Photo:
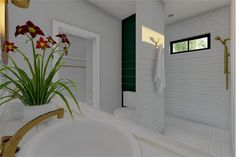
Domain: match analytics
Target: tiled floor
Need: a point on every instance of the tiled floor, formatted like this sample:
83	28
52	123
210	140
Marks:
209	139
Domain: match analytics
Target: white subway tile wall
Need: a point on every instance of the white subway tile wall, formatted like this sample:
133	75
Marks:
150	106
195	80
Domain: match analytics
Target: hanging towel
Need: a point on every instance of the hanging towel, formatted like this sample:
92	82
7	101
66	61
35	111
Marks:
159	70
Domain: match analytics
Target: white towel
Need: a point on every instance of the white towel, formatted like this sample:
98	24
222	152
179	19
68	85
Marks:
159	71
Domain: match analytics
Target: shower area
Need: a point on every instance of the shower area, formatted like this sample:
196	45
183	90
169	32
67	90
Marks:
194	106
197	98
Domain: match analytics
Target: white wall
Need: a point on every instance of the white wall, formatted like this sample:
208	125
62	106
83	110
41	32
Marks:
196	81
150	106
83	15
77	47
233	37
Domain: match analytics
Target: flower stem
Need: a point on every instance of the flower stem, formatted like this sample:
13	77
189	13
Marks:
27	60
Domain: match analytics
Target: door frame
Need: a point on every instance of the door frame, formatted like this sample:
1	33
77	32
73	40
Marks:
57	26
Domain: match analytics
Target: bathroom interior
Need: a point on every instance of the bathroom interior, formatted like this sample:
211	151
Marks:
163	69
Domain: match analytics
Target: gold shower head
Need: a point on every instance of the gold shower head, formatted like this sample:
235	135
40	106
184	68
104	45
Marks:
224	41
217	38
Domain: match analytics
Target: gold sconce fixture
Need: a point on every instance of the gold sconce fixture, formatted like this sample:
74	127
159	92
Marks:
21	3
226	59
4	20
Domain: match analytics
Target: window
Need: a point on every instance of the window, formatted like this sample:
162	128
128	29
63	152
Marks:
196	43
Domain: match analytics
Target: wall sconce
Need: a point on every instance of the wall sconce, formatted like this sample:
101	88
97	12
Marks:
4	21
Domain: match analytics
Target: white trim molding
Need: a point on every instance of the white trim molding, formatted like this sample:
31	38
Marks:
58	27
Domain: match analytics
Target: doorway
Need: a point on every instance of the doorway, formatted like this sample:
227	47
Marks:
82	65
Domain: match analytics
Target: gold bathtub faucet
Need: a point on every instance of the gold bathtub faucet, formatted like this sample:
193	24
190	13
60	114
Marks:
9	144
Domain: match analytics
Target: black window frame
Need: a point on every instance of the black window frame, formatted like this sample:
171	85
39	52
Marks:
208	35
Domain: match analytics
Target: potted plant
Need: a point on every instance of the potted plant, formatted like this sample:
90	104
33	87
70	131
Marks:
36	89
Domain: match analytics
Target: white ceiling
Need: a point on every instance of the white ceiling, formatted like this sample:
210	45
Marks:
181	9
118	8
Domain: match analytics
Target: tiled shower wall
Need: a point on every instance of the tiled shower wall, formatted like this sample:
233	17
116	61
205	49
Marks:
196	81
150	106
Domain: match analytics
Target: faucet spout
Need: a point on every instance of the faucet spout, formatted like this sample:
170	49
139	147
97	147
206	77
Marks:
9	144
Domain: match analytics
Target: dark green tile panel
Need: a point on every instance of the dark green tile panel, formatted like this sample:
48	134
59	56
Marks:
127	72
128	87
128	79
129	54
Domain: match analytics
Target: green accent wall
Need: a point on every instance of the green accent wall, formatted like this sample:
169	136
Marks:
129	54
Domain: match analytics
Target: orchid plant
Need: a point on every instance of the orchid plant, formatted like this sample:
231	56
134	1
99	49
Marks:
36	87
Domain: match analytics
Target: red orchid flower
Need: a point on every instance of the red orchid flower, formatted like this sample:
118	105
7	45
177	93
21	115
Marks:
42	44
50	40
64	38
9	47
21	30
33	30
